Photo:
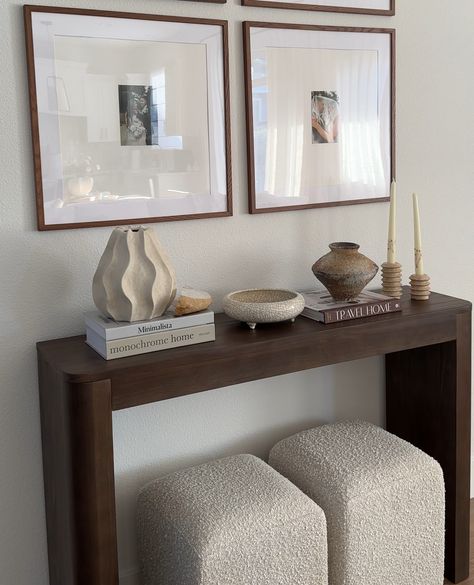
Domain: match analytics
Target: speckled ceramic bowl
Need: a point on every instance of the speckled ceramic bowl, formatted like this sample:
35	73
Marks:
261	305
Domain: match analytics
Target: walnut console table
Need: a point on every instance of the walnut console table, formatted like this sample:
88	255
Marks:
427	352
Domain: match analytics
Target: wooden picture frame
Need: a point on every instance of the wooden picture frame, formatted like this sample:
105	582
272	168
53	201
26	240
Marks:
114	139
280	149
316	5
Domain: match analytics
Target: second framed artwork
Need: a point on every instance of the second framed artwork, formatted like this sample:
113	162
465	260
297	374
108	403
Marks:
320	115
381	7
130	117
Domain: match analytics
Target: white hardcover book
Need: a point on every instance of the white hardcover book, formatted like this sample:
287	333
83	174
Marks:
110	330
119	348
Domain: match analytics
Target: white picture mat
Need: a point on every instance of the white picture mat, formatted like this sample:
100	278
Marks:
144	181
291	170
365	4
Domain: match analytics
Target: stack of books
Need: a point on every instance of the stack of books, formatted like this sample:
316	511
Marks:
114	340
320	306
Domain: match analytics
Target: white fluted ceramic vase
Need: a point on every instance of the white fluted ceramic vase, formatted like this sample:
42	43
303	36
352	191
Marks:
134	280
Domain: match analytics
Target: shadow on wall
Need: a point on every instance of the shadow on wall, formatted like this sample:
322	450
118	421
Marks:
353	398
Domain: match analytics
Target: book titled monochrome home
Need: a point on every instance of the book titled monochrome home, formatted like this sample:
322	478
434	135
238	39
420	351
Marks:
320	306
109	329
118	348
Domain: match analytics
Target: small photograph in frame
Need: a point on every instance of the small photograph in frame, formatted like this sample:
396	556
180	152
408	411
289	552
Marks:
380	7
320	112
130	117
138	116
324	117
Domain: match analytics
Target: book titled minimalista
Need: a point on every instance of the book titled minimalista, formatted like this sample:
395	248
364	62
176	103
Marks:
109	329
119	348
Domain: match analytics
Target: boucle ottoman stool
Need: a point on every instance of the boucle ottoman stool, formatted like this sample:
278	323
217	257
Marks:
235	521
383	499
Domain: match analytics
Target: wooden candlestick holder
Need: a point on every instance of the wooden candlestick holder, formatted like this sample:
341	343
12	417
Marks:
392	279
420	287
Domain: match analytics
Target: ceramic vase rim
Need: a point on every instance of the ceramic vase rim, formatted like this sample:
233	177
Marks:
336	246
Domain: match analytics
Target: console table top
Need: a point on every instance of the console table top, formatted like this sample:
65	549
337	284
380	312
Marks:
240	355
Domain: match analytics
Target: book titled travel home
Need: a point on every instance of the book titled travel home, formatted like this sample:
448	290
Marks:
119	348
320	306
109	329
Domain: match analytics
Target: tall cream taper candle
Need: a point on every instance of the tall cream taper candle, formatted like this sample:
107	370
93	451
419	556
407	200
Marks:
419	269
392	224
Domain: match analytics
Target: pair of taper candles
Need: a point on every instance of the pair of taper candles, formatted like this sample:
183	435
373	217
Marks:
391	270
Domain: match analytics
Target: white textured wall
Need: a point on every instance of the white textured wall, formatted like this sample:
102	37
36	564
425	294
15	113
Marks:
45	277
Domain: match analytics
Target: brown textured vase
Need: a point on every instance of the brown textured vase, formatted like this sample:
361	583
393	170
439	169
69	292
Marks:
344	271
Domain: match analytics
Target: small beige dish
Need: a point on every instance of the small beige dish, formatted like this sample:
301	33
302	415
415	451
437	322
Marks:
262	305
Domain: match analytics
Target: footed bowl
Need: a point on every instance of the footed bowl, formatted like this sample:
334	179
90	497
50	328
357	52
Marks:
263	305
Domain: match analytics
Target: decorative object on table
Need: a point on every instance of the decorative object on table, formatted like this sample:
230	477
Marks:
163	157
110	330
420	287
118	348
134	280
301	82
231	521
419	282
320	306
262	305
392	279
384	501
191	301
378	7
392	270
344	271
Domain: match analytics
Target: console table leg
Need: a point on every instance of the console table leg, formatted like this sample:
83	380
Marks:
94	481
76	424
429	404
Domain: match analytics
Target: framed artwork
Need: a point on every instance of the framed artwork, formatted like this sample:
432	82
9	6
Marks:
320	109
130	117
381	7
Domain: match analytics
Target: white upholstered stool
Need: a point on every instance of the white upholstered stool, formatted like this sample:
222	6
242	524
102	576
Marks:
383	499
235	521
